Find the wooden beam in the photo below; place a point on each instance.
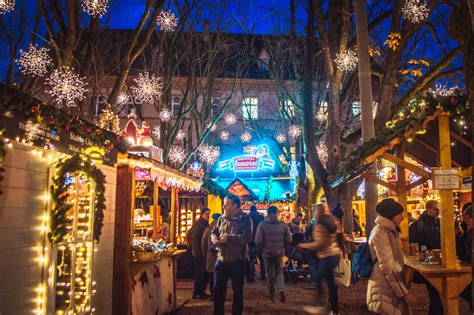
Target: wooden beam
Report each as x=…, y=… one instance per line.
x=400, y=162
x=467, y=172
x=416, y=183
x=376, y=180
x=174, y=219
x=402, y=196
x=459, y=138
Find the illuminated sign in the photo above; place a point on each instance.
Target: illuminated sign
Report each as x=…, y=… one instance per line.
x=258, y=160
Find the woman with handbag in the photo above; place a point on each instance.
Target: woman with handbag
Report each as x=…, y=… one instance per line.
x=328, y=251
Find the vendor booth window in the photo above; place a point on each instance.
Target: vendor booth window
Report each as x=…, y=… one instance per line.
x=138, y=107
x=250, y=108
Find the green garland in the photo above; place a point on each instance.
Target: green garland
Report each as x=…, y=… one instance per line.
x=59, y=194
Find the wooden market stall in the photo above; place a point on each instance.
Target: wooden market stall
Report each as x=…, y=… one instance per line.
x=56, y=210
x=144, y=265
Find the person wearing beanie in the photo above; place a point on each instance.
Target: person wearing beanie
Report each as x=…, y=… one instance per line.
x=209, y=250
x=195, y=234
x=386, y=291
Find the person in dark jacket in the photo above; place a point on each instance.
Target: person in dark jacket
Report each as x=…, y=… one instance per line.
x=209, y=251
x=426, y=232
x=253, y=255
x=338, y=212
x=200, y=277
x=463, y=249
x=232, y=233
x=273, y=239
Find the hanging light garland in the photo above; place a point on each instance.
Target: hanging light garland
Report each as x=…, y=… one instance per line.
x=295, y=131
x=176, y=155
x=415, y=11
x=180, y=135
x=34, y=61
x=95, y=8
x=230, y=119
x=109, y=120
x=281, y=138
x=167, y=21
x=6, y=6
x=209, y=153
x=165, y=115
x=66, y=86
x=246, y=137
x=147, y=87
x=346, y=61
x=224, y=135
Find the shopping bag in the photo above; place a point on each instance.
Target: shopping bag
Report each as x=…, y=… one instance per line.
x=343, y=272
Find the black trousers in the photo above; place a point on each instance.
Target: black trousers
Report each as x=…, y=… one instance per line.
x=436, y=306
x=200, y=275
x=223, y=271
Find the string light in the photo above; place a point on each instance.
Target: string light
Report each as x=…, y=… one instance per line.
x=209, y=153
x=176, y=155
x=109, y=120
x=6, y=6
x=442, y=90
x=281, y=138
x=347, y=60
x=165, y=115
x=322, y=152
x=167, y=21
x=415, y=11
x=66, y=86
x=147, y=87
x=295, y=131
x=34, y=61
x=95, y=8
x=224, y=135
x=180, y=135
x=230, y=119
x=246, y=137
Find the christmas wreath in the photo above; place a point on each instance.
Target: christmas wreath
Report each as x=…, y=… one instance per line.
x=59, y=193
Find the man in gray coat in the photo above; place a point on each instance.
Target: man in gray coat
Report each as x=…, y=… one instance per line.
x=273, y=238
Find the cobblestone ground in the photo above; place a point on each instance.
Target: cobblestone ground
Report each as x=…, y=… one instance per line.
x=352, y=300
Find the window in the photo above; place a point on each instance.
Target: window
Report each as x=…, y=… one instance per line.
x=99, y=105
x=250, y=108
x=355, y=108
x=215, y=106
x=137, y=106
x=175, y=105
x=288, y=108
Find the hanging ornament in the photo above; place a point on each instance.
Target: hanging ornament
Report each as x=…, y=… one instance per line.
x=147, y=87
x=322, y=152
x=156, y=133
x=109, y=120
x=294, y=131
x=281, y=138
x=165, y=115
x=442, y=90
x=230, y=119
x=415, y=11
x=167, y=21
x=6, y=6
x=66, y=86
x=209, y=153
x=180, y=135
x=34, y=61
x=123, y=98
x=195, y=170
x=95, y=8
x=224, y=135
x=176, y=155
x=321, y=114
x=246, y=137
x=347, y=60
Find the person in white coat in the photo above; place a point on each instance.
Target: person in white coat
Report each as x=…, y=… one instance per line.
x=386, y=292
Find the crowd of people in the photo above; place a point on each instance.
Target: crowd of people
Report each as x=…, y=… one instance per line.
x=231, y=246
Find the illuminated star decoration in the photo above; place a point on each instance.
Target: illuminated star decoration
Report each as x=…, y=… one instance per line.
x=34, y=61
x=246, y=137
x=66, y=86
x=156, y=133
x=321, y=114
x=95, y=8
x=281, y=138
x=147, y=87
x=322, y=152
x=123, y=98
x=167, y=21
x=180, y=135
x=224, y=135
x=6, y=6
x=209, y=153
x=415, y=11
x=230, y=119
x=294, y=131
x=176, y=155
x=347, y=60
x=109, y=120
x=442, y=90
x=165, y=115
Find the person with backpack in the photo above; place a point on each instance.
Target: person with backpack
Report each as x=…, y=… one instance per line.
x=325, y=244
x=273, y=239
x=253, y=254
x=195, y=236
x=386, y=291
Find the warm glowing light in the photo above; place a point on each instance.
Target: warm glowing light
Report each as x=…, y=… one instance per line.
x=6, y=6
x=180, y=135
x=167, y=21
x=95, y=8
x=281, y=138
x=246, y=137
x=176, y=155
x=209, y=153
x=34, y=61
x=347, y=60
x=295, y=131
x=165, y=115
x=147, y=87
x=66, y=87
x=230, y=119
x=415, y=11
x=224, y=135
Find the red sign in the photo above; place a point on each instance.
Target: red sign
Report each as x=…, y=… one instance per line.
x=246, y=163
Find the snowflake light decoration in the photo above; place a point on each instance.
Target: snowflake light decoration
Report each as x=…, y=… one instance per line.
x=415, y=11
x=347, y=60
x=95, y=8
x=6, y=6
x=209, y=153
x=147, y=87
x=167, y=21
x=66, y=86
x=123, y=98
x=246, y=137
x=176, y=155
x=442, y=90
x=230, y=119
x=321, y=114
x=281, y=138
x=180, y=135
x=322, y=152
x=34, y=61
x=224, y=135
x=109, y=120
x=295, y=131
x=165, y=115
x=156, y=133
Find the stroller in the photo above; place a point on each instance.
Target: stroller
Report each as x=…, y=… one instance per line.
x=294, y=269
